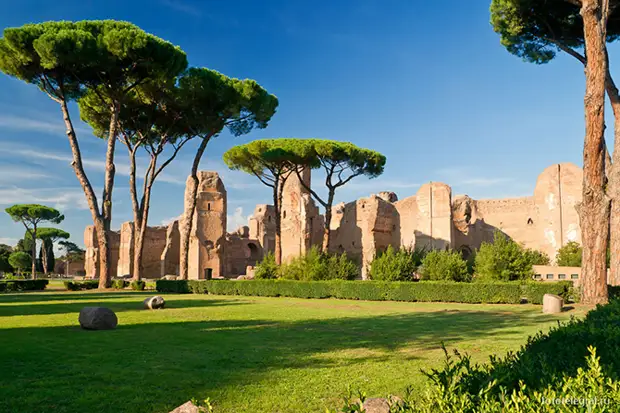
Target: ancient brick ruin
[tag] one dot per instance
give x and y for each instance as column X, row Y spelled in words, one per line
column 432, row 218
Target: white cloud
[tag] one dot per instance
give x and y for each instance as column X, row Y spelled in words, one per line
column 49, row 126
column 9, row 241
column 182, row 6
column 168, row 221
column 13, row 173
column 237, row 219
column 59, row 198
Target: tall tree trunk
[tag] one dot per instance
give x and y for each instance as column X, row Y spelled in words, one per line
column 34, row 251
column 91, row 198
column 277, row 204
column 595, row 206
column 328, row 221
column 185, row 228
column 140, row 229
column 613, row 183
column 44, row 256
column 106, row 270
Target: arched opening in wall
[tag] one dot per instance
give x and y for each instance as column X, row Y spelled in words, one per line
column 465, row 252
column 340, row 249
column 254, row 252
column 209, row 206
column 530, row 221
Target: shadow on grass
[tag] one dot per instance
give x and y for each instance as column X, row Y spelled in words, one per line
column 157, row 366
column 132, row 302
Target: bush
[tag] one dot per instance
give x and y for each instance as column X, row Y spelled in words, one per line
column 138, row 285
column 503, row 260
column 590, row 389
column 81, row 285
column 267, row 268
column 537, row 257
column 119, row 284
column 20, row 260
column 444, row 265
column 396, row 265
column 8, row 286
column 428, row 291
column 569, row 255
column 316, row 266
column 577, row 361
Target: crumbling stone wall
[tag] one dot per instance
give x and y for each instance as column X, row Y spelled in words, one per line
column 241, row 252
column 91, row 258
column 302, row 224
column 262, row 227
column 208, row 237
column 170, row 256
column 363, row 228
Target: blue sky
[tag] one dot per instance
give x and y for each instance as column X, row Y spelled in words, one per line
column 426, row 83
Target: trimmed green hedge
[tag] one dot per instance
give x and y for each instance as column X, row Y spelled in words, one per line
column 81, row 285
column 428, row 291
column 8, row 286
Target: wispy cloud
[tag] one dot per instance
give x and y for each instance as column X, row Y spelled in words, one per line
column 32, row 124
column 237, row 219
column 18, row 173
column 60, row 198
column 182, row 6
column 8, row 241
column 168, row 221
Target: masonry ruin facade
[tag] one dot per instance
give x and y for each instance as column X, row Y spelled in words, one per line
column 432, row 218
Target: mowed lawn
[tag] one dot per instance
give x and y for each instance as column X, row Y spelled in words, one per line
column 247, row 354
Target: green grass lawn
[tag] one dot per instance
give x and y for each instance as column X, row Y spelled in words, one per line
column 248, row 354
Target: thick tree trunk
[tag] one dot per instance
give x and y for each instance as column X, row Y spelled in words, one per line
column 613, row 183
column 595, row 207
column 91, row 198
column 188, row 218
column 328, row 221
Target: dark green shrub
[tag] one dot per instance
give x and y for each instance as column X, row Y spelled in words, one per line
column 396, row 265
column 172, row 286
column 503, row 260
column 569, row 255
column 81, row 285
column 138, row 285
column 444, row 265
column 429, row 291
column 535, row 290
column 267, row 268
column 8, row 286
column 119, row 284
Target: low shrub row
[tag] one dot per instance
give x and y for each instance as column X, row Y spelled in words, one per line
column 8, row 286
column 572, row 368
column 119, row 284
column 81, row 285
column 138, row 285
column 437, row 291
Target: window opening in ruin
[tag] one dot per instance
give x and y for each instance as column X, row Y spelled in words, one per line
column 269, row 218
column 283, row 214
column 561, row 276
column 254, row 253
column 209, row 207
column 574, row 276
column 550, row 276
column 530, row 221
column 537, row 277
column 208, row 273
